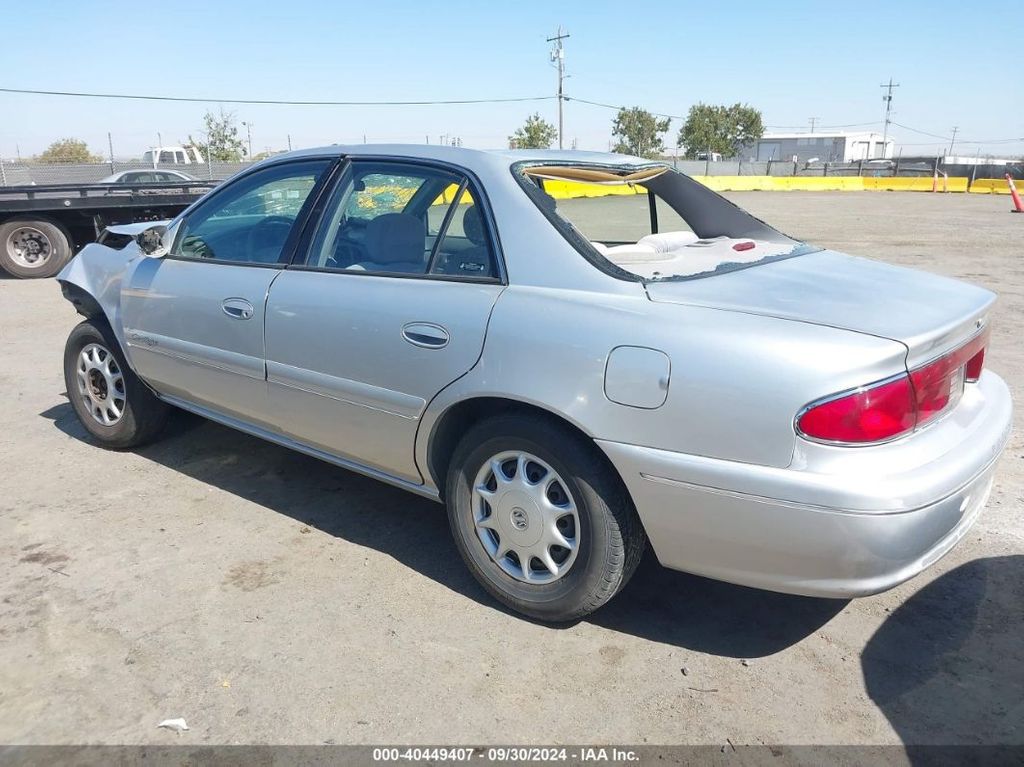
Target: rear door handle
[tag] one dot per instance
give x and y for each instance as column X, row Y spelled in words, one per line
column 237, row 308
column 426, row 335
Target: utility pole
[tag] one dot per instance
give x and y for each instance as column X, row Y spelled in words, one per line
column 248, row 135
column 887, row 98
column 813, row 120
column 953, row 139
column 558, row 56
column 289, row 142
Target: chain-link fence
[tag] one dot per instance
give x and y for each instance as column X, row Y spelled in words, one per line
column 34, row 173
column 37, row 173
column 788, row 168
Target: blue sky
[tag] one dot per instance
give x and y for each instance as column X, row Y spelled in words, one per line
column 793, row 60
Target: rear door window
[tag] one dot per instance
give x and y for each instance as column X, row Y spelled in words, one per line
column 465, row 249
column 401, row 219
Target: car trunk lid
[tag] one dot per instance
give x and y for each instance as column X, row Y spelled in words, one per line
column 928, row 313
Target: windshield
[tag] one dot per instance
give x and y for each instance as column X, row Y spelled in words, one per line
column 650, row 222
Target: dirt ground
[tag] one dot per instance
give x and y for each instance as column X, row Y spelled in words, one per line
column 270, row 598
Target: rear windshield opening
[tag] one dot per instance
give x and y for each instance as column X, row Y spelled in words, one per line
column 652, row 222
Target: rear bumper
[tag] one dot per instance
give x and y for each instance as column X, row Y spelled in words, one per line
column 838, row 526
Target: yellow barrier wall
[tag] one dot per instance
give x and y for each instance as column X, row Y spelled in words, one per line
column 562, row 190
column 923, row 184
column 819, row 183
column 565, row 189
column 994, row 186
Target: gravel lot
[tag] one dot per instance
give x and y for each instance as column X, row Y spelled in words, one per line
column 269, row 598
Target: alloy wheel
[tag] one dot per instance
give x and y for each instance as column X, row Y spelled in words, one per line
column 101, row 384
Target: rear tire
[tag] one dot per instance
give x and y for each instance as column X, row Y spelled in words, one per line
column 34, row 247
column 111, row 402
column 541, row 518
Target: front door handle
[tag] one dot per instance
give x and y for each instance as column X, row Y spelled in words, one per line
column 425, row 334
column 237, row 308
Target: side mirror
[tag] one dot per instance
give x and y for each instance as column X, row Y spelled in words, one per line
column 153, row 241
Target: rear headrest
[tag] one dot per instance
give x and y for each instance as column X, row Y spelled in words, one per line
column 395, row 238
column 473, row 225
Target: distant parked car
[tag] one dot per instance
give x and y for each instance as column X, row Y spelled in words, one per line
column 572, row 377
column 146, row 177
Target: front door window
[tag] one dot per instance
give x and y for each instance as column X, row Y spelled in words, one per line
column 252, row 220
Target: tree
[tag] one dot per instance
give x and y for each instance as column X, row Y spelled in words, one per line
column 536, row 133
column 722, row 129
column 220, row 142
column 68, row 150
column 639, row 132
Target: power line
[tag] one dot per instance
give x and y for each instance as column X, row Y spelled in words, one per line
column 824, row 127
column 142, row 97
column 922, row 132
column 444, row 102
column 613, row 106
column 945, row 141
column 683, row 117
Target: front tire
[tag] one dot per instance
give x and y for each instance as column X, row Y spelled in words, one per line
column 113, row 405
column 541, row 518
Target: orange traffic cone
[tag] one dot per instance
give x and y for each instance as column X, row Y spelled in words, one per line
column 1017, row 206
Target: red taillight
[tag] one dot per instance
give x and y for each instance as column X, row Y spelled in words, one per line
column 868, row 415
column 884, row 411
column 972, row 372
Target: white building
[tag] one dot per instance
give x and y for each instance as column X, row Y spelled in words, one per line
column 839, row 146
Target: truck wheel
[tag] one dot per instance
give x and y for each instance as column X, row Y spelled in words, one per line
column 113, row 405
column 540, row 517
column 33, row 248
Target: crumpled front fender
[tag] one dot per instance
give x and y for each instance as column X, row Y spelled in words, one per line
column 92, row 280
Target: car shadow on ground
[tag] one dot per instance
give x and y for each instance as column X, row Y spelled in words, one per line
column 658, row 604
column 947, row 667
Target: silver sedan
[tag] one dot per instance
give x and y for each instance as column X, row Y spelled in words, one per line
column 576, row 353
column 146, row 177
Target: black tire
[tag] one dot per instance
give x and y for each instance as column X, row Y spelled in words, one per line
column 50, row 242
column 611, row 537
column 142, row 415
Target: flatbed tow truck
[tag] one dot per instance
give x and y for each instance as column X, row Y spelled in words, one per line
column 43, row 227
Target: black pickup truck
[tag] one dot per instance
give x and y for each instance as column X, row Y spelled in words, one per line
column 42, row 227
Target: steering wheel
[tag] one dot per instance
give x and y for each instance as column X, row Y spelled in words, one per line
column 260, row 233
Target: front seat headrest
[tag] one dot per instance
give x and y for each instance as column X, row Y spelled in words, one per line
column 395, row 238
